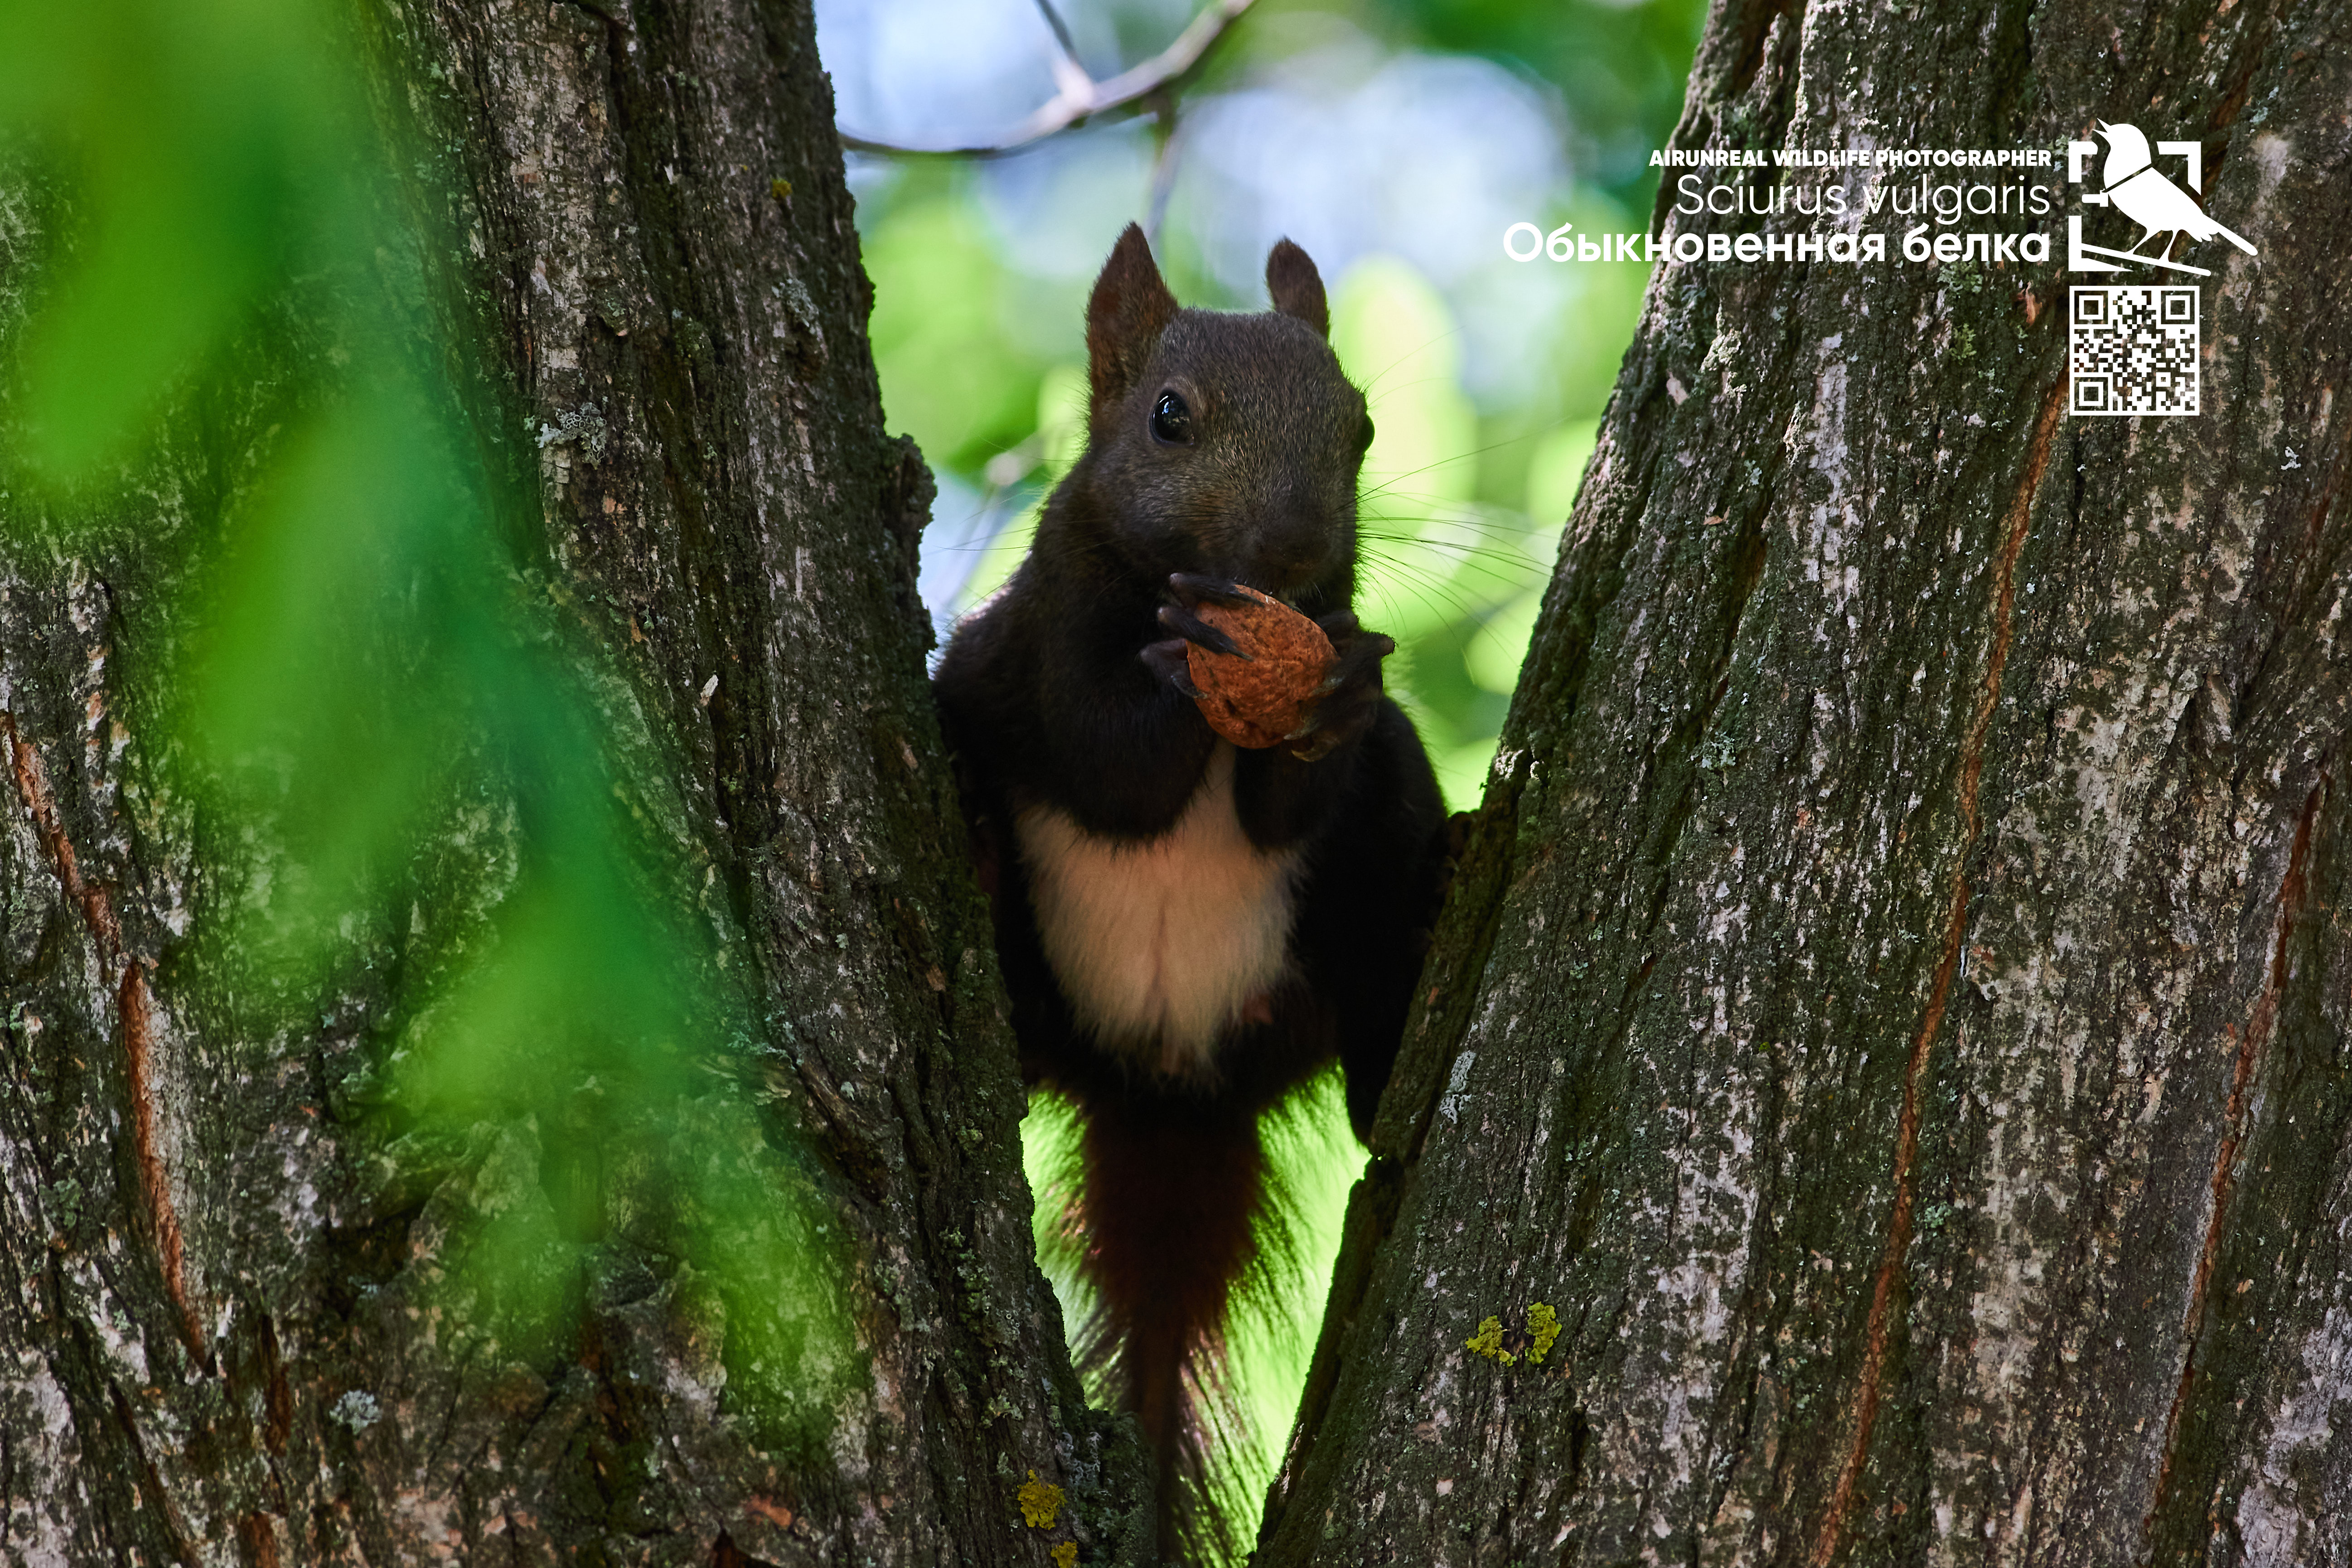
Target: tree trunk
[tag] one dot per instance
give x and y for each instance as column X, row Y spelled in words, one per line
column 1892, row 1003
column 217, row 1338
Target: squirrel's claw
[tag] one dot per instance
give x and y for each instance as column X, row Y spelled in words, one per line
column 1169, row 661
column 1344, row 703
column 1192, row 589
column 1193, row 628
column 1370, row 649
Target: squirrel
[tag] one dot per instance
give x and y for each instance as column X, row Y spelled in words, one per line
column 1190, row 932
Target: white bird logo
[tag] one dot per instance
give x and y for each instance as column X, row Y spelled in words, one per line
column 2136, row 187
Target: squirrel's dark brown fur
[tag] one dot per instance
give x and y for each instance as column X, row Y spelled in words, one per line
column 1189, row 932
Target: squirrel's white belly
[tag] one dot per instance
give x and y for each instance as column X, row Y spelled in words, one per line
column 1160, row 946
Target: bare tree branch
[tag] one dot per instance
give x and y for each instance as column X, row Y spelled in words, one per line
column 1061, row 28
column 1080, row 96
column 1169, row 132
column 1070, row 75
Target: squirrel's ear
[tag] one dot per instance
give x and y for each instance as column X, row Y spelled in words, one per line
column 1297, row 287
column 1128, row 310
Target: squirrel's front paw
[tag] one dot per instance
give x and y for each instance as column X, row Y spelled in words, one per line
column 1349, row 695
column 1169, row 661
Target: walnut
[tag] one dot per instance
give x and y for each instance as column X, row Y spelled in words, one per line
column 1257, row 701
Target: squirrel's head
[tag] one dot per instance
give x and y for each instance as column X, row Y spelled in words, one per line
column 1220, row 443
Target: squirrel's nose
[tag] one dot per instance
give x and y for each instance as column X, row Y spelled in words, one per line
column 1292, row 548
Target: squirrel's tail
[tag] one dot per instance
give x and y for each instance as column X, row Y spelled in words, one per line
column 1174, row 1196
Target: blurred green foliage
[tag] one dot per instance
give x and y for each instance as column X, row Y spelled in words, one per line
column 216, row 363
column 198, row 145
column 938, row 324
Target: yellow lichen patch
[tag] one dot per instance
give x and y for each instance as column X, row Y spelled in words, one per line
column 1041, row 1502
column 1488, row 1341
column 1544, row 1324
column 1066, row 1555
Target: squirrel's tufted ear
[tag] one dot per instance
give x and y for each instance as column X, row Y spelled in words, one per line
column 1297, row 287
column 1128, row 310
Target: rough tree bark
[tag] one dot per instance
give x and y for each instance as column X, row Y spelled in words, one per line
column 1892, row 1004
column 205, row 1253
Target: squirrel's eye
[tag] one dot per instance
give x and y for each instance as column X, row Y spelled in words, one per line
column 1171, row 421
column 1364, row 437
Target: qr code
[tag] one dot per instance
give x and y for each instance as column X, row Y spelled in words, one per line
column 2133, row 350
